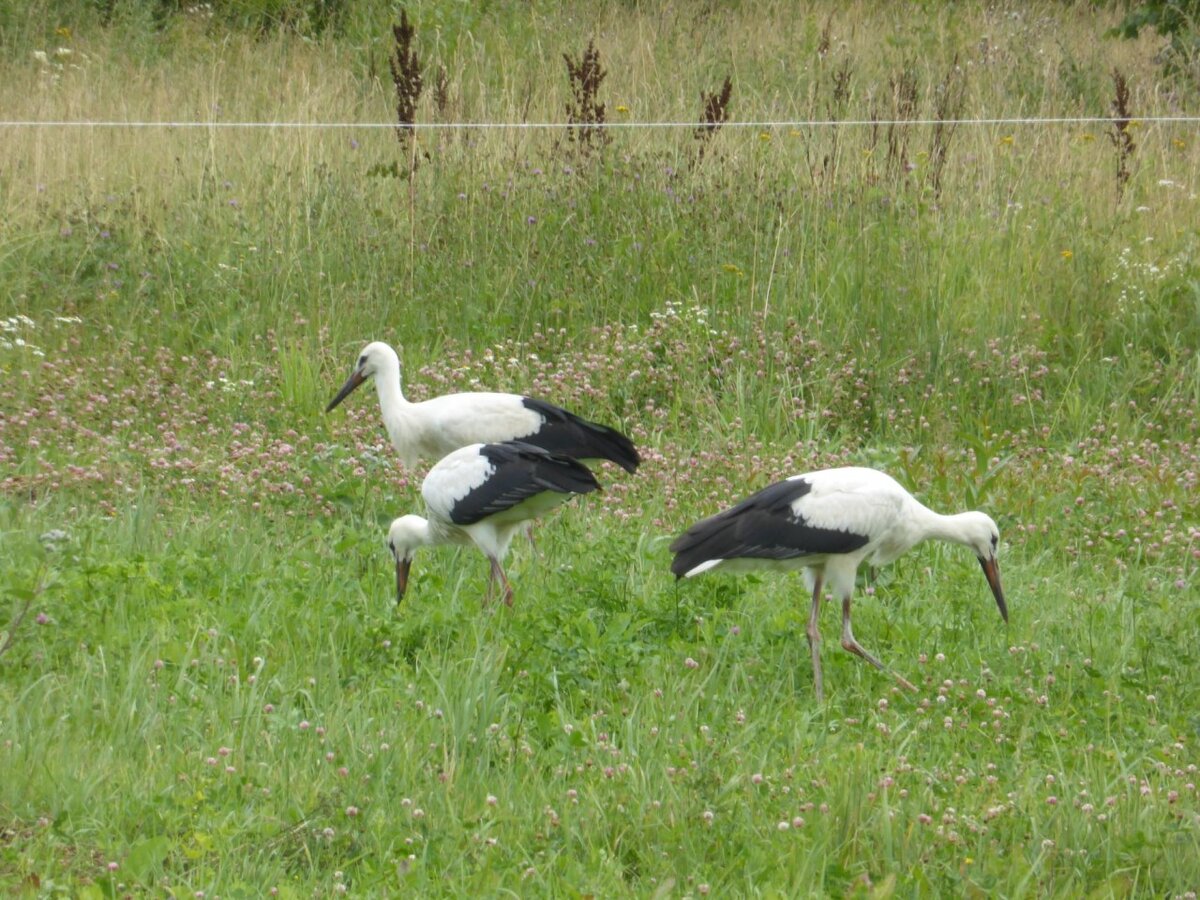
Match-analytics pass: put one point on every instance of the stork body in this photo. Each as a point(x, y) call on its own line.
point(827, 523)
point(482, 494)
point(433, 428)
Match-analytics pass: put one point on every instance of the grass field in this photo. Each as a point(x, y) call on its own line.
point(206, 688)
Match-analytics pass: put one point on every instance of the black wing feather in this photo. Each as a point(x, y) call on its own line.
point(566, 433)
point(763, 526)
point(521, 471)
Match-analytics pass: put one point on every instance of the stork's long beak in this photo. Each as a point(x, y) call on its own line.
point(991, 569)
point(402, 567)
point(356, 378)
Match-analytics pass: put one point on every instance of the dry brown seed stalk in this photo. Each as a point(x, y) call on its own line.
point(585, 113)
point(406, 75)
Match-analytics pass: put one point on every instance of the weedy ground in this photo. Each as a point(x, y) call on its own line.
point(206, 688)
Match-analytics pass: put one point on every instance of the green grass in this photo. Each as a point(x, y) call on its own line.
point(204, 681)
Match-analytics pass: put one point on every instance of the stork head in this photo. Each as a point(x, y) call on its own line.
point(406, 534)
point(375, 358)
point(980, 533)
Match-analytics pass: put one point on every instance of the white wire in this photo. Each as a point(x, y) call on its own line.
point(448, 126)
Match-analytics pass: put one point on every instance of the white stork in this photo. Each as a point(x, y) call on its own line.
point(482, 494)
point(827, 523)
point(433, 428)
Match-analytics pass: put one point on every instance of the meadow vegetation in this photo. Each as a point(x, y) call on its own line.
point(205, 686)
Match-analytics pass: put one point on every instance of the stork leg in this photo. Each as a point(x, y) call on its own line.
point(498, 571)
point(849, 643)
point(491, 586)
point(814, 635)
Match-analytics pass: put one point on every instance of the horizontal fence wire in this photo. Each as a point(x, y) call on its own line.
point(797, 124)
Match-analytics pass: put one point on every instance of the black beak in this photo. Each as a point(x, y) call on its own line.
point(991, 569)
point(402, 567)
point(356, 378)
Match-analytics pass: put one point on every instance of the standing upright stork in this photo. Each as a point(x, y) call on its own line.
point(435, 427)
point(482, 494)
point(826, 523)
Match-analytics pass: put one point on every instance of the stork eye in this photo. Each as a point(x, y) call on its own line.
point(392, 547)
point(362, 361)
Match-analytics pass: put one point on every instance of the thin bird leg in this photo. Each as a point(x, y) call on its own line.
point(814, 636)
point(492, 573)
point(498, 571)
point(487, 596)
point(849, 643)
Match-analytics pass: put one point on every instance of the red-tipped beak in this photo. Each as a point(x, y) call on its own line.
point(402, 567)
point(991, 569)
point(356, 378)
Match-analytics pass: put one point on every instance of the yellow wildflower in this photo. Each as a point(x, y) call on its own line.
point(1066, 254)
point(622, 108)
point(1006, 140)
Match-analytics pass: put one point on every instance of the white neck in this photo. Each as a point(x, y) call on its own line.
point(428, 535)
point(920, 523)
point(419, 532)
point(395, 408)
point(387, 383)
point(936, 526)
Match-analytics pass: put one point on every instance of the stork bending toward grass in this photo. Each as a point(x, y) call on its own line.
point(827, 523)
point(482, 494)
point(433, 428)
